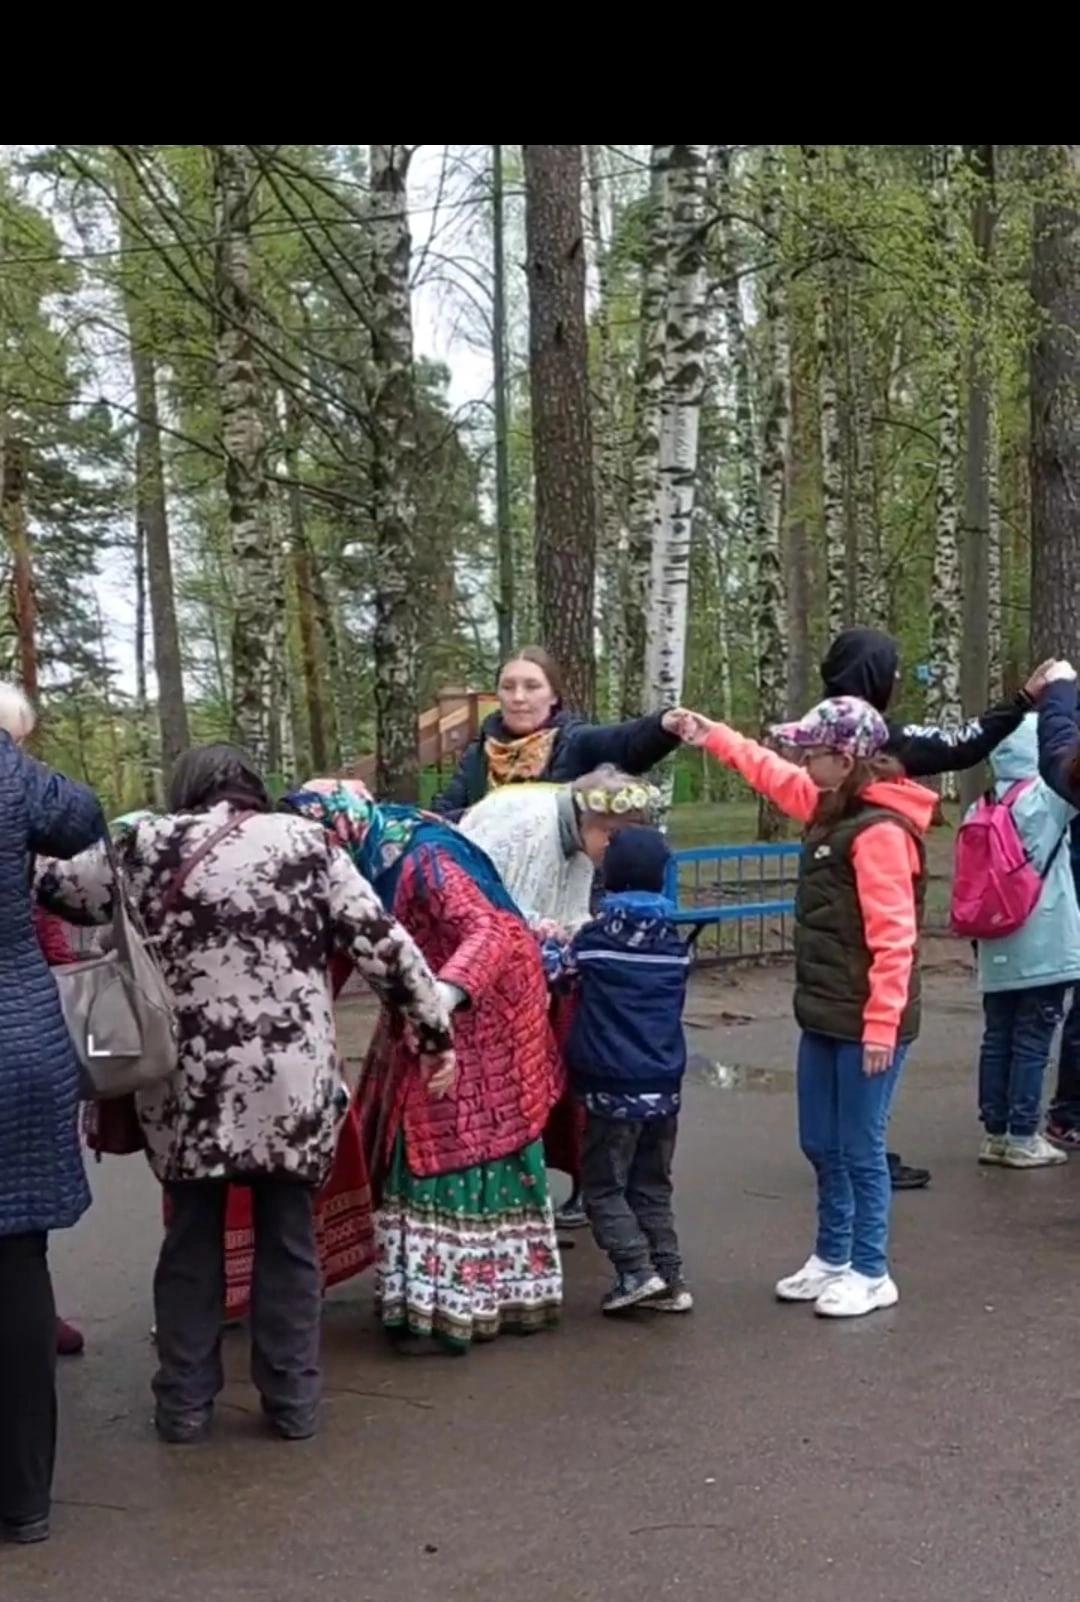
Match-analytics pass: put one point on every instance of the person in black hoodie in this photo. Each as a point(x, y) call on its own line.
point(866, 663)
point(533, 737)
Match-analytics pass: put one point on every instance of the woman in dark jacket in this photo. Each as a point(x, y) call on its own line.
point(532, 737)
point(42, 1182)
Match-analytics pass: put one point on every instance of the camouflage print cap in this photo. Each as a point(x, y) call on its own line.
point(842, 723)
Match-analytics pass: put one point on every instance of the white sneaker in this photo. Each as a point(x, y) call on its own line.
point(1032, 1151)
point(853, 1295)
point(811, 1279)
point(992, 1149)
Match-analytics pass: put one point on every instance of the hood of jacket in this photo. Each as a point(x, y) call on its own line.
point(1018, 756)
point(862, 662)
point(913, 801)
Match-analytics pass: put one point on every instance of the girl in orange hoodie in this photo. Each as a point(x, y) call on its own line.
point(857, 911)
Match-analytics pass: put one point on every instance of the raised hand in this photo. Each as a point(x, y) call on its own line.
point(1056, 672)
point(691, 727)
point(1038, 681)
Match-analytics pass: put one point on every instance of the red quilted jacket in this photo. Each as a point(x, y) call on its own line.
point(507, 1063)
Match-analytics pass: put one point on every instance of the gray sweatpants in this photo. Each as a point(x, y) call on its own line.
point(626, 1183)
point(286, 1298)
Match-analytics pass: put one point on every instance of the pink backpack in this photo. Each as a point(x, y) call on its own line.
point(996, 886)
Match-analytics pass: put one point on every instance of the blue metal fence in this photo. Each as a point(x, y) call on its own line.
point(737, 902)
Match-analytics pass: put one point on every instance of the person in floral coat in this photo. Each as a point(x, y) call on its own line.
point(464, 1228)
point(245, 948)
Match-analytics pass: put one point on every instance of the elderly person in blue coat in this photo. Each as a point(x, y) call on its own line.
point(42, 1181)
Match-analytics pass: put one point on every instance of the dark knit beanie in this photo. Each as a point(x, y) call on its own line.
point(636, 859)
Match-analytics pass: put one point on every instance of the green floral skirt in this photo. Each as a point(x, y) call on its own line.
point(467, 1254)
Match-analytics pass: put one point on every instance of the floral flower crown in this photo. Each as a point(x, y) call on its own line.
point(644, 798)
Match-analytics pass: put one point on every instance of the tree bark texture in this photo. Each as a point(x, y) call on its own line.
point(683, 393)
point(744, 532)
point(150, 503)
point(304, 584)
point(561, 415)
point(611, 541)
point(393, 481)
point(776, 443)
point(832, 469)
point(975, 671)
point(648, 403)
point(504, 528)
point(943, 698)
point(16, 528)
point(1055, 424)
point(244, 443)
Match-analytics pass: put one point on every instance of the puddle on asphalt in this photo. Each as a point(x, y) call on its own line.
point(729, 1076)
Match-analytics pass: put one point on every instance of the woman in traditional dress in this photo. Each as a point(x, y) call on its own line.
point(546, 841)
point(464, 1228)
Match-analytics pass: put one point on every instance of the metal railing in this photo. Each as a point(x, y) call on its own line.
point(737, 901)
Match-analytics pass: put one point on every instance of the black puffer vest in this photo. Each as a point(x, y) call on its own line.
point(832, 962)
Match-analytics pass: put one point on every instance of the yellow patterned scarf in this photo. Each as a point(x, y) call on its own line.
point(518, 761)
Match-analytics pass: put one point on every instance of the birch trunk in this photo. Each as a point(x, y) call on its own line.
point(995, 661)
point(244, 445)
point(1055, 421)
point(832, 470)
point(684, 388)
point(150, 505)
point(975, 671)
point(744, 532)
point(776, 390)
point(393, 481)
point(870, 584)
point(943, 697)
point(561, 414)
point(610, 548)
point(648, 403)
point(505, 606)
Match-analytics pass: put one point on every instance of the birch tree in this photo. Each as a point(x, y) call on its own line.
point(648, 405)
point(995, 662)
point(244, 444)
point(832, 469)
point(943, 696)
point(683, 391)
point(977, 560)
point(150, 507)
point(611, 543)
point(505, 605)
point(776, 444)
point(561, 414)
point(393, 479)
point(1055, 414)
point(744, 531)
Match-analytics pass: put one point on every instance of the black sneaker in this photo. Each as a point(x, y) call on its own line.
point(25, 1532)
point(182, 1429)
point(630, 1289)
point(904, 1178)
point(293, 1424)
point(572, 1215)
point(677, 1298)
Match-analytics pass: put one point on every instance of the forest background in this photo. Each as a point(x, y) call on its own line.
point(730, 399)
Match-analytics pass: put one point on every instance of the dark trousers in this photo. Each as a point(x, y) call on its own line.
point(27, 1378)
point(1065, 1111)
point(1018, 1033)
point(286, 1298)
point(627, 1189)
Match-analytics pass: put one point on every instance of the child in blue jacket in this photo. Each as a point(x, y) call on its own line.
point(1025, 976)
point(627, 1057)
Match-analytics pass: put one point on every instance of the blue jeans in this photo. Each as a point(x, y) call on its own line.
point(843, 1115)
point(1018, 1034)
point(1065, 1111)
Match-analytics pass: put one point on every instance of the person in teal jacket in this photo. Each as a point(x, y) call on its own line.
point(1025, 977)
